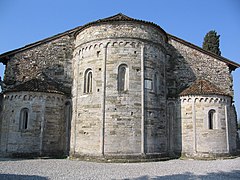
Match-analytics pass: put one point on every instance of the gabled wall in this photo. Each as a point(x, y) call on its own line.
point(53, 59)
point(188, 64)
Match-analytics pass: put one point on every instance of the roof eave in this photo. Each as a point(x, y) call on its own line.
point(204, 94)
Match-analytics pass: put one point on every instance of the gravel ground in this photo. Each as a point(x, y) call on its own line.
point(42, 169)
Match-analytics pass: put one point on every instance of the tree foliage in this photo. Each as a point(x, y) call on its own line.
point(211, 42)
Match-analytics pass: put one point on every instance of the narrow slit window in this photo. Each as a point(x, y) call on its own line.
point(88, 81)
point(211, 119)
point(24, 118)
point(122, 78)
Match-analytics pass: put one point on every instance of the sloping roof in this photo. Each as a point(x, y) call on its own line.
point(39, 85)
point(118, 17)
point(202, 87)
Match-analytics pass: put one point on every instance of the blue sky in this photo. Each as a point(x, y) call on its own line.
point(26, 21)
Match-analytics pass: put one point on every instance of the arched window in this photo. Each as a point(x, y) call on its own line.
point(24, 117)
point(88, 81)
point(122, 78)
point(211, 119)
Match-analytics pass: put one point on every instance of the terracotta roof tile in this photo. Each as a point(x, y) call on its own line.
point(202, 87)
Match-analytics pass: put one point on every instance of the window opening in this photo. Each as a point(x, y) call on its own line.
point(211, 118)
point(24, 116)
point(88, 81)
point(122, 78)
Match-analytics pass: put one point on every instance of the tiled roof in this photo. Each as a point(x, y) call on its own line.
point(202, 87)
point(40, 85)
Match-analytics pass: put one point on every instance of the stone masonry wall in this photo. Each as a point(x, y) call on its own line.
point(123, 109)
point(188, 64)
point(54, 134)
point(53, 58)
point(156, 125)
point(198, 139)
point(108, 121)
point(87, 113)
point(44, 127)
point(120, 30)
point(233, 139)
point(186, 120)
point(148, 117)
point(1, 113)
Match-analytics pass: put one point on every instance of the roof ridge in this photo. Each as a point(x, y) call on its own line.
point(119, 16)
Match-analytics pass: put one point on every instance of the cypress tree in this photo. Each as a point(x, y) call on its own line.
point(211, 42)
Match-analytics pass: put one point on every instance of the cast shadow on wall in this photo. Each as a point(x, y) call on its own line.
point(179, 76)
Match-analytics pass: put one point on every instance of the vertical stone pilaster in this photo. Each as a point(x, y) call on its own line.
point(194, 126)
point(227, 127)
point(42, 131)
point(143, 101)
point(102, 131)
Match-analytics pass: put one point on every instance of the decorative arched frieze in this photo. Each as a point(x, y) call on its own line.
point(206, 99)
point(83, 49)
point(31, 96)
point(25, 97)
point(189, 100)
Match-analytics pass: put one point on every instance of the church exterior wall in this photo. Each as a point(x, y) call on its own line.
point(199, 138)
point(189, 64)
point(53, 59)
point(130, 122)
point(44, 130)
point(111, 89)
point(234, 140)
point(115, 30)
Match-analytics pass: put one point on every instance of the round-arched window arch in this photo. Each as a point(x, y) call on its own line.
point(88, 81)
point(24, 119)
point(122, 78)
point(211, 119)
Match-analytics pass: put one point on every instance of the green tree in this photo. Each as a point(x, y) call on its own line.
point(211, 42)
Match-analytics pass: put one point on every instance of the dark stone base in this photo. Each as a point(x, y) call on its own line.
point(113, 158)
point(30, 155)
point(209, 156)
